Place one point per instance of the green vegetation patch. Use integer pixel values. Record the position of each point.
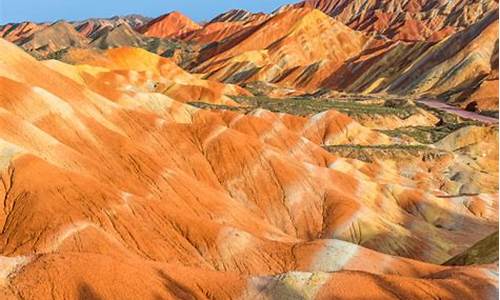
(211, 106)
(380, 147)
(483, 252)
(367, 153)
(428, 134)
(309, 106)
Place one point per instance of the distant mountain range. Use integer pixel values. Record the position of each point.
(418, 47)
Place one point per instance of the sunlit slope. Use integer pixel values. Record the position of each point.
(200, 203)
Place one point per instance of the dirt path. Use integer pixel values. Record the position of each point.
(459, 112)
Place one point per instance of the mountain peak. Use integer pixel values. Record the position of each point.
(172, 24)
(233, 15)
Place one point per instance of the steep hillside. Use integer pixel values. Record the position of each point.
(182, 202)
(236, 15)
(14, 32)
(458, 68)
(54, 37)
(295, 48)
(439, 49)
(303, 51)
(149, 73)
(408, 20)
(170, 25)
(61, 40)
(226, 25)
(122, 35)
(91, 27)
(331, 149)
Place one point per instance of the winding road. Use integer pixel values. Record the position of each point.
(457, 111)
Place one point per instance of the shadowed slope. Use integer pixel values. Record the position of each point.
(454, 66)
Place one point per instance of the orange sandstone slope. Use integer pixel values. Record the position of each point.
(300, 50)
(297, 48)
(170, 25)
(304, 50)
(131, 70)
(226, 25)
(188, 203)
(454, 67)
